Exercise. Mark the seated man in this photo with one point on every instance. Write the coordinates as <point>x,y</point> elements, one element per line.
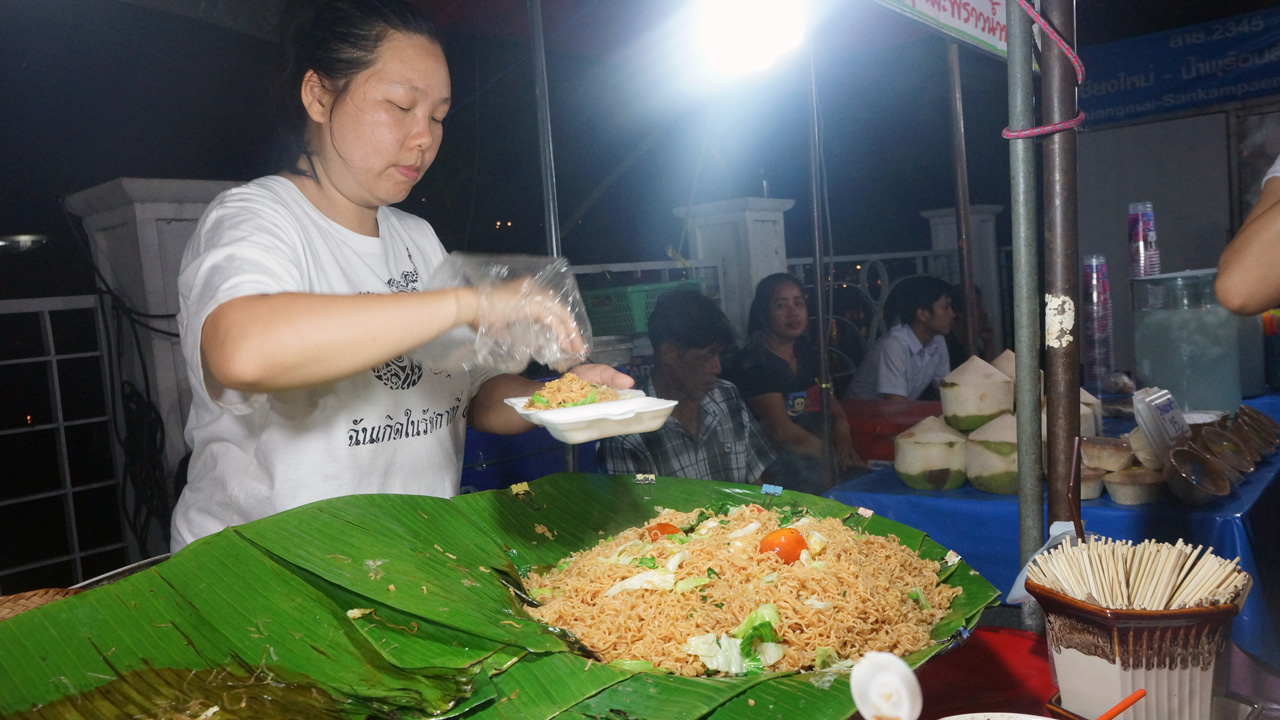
<point>710,435</point>
<point>913,357</point>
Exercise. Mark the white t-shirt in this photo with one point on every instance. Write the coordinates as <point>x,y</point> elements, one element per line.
<point>900,365</point>
<point>397,428</point>
<point>1273,171</point>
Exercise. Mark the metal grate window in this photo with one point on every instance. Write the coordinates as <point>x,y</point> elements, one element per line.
<point>60,514</point>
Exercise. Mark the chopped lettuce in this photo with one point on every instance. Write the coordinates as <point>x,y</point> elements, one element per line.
<point>690,583</point>
<point>723,654</point>
<point>759,625</point>
<point>766,654</point>
<point>673,564</point>
<point>918,595</point>
<point>648,562</point>
<point>660,579</point>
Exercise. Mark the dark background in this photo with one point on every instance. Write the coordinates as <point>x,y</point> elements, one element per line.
<point>94,90</point>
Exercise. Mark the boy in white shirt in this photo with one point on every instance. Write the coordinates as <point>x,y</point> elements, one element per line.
<point>913,356</point>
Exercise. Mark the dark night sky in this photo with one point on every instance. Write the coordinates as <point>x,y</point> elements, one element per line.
<point>99,89</point>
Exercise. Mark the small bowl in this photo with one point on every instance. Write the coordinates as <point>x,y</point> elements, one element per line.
<point>1260,418</point>
<point>1198,420</point>
<point>1110,454</point>
<point>1135,486</point>
<point>1227,448</point>
<point>1196,478</point>
<point>1248,448</point>
<point>1091,483</point>
<point>1263,441</point>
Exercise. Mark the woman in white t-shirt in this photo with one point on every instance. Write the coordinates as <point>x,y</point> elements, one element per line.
<point>1249,270</point>
<point>302,295</point>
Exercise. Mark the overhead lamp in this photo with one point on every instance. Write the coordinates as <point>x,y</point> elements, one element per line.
<point>19,243</point>
<point>742,36</point>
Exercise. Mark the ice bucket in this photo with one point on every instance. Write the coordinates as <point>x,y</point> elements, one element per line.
<point>1185,342</point>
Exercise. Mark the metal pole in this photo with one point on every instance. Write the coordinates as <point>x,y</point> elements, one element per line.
<point>819,271</point>
<point>1062,262</point>
<point>550,209</point>
<point>963,223</point>
<point>1026,297</point>
<point>551,212</point>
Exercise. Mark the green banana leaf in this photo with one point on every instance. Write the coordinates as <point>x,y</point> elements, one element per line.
<point>401,606</point>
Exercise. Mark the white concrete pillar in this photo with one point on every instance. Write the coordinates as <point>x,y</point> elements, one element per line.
<point>747,236</point>
<point>986,265</point>
<point>138,230</point>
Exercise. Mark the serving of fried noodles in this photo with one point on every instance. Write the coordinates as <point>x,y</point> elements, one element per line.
<point>849,592</point>
<point>567,391</point>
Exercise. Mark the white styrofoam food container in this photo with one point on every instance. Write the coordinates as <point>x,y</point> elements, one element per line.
<point>632,412</point>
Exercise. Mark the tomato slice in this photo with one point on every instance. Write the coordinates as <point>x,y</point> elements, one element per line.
<point>753,508</point>
<point>786,543</point>
<point>657,531</point>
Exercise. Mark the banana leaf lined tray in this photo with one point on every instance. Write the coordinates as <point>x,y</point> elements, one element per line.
<point>398,606</point>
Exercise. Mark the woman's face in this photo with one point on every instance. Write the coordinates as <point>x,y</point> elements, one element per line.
<point>788,312</point>
<point>373,142</point>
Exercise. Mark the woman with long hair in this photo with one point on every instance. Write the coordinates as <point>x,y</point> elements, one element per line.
<point>777,373</point>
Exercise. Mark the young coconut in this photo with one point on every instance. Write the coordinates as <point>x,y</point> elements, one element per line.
<point>991,456</point>
<point>1087,425</point>
<point>1006,362</point>
<point>1087,398</point>
<point>974,394</point>
<point>930,456</point>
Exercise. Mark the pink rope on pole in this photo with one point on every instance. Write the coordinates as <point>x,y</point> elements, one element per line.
<point>1075,122</point>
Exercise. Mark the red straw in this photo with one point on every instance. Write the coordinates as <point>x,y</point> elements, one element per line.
<point>1125,704</point>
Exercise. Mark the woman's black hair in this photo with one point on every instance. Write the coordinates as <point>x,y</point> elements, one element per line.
<point>758,316</point>
<point>338,39</point>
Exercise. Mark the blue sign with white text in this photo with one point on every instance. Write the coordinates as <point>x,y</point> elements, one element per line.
<point>1213,63</point>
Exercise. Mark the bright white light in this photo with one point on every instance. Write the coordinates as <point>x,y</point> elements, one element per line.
<point>741,36</point>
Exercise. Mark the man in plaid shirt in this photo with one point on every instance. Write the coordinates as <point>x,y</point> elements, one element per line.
<point>711,434</point>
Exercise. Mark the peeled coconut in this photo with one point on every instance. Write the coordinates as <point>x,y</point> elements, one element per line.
<point>991,456</point>
<point>1143,451</point>
<point>1110,454</point>
<point>1087,398</point>
<point>1087,428</point>
<point>974,394</point>
<point>1006,362</point>
<point>930,456</point>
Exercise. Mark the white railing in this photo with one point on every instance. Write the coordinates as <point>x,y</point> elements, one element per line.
<point>60,514</point>
<point>860,284</point>
<point>710,272</point>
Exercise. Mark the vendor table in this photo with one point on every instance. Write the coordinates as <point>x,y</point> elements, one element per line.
<point>983,528</point>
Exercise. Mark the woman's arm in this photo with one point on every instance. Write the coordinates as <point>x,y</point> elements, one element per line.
<point>1249,270</point>
<point>778,425</point>
<point>267,343</point>
<point>846,455</point>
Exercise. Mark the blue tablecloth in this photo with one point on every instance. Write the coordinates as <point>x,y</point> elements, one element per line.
<point>983,528</point>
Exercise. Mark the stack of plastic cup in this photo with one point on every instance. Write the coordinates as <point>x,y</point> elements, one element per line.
<point>1097,351</point>
<point>1144,256</point>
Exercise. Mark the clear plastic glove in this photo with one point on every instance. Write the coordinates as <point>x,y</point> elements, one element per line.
<point>527,308</point>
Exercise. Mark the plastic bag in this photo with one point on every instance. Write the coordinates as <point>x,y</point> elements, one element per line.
<point>519,296</point>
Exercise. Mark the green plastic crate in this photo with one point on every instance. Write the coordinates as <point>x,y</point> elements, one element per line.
<point>625,310</point>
